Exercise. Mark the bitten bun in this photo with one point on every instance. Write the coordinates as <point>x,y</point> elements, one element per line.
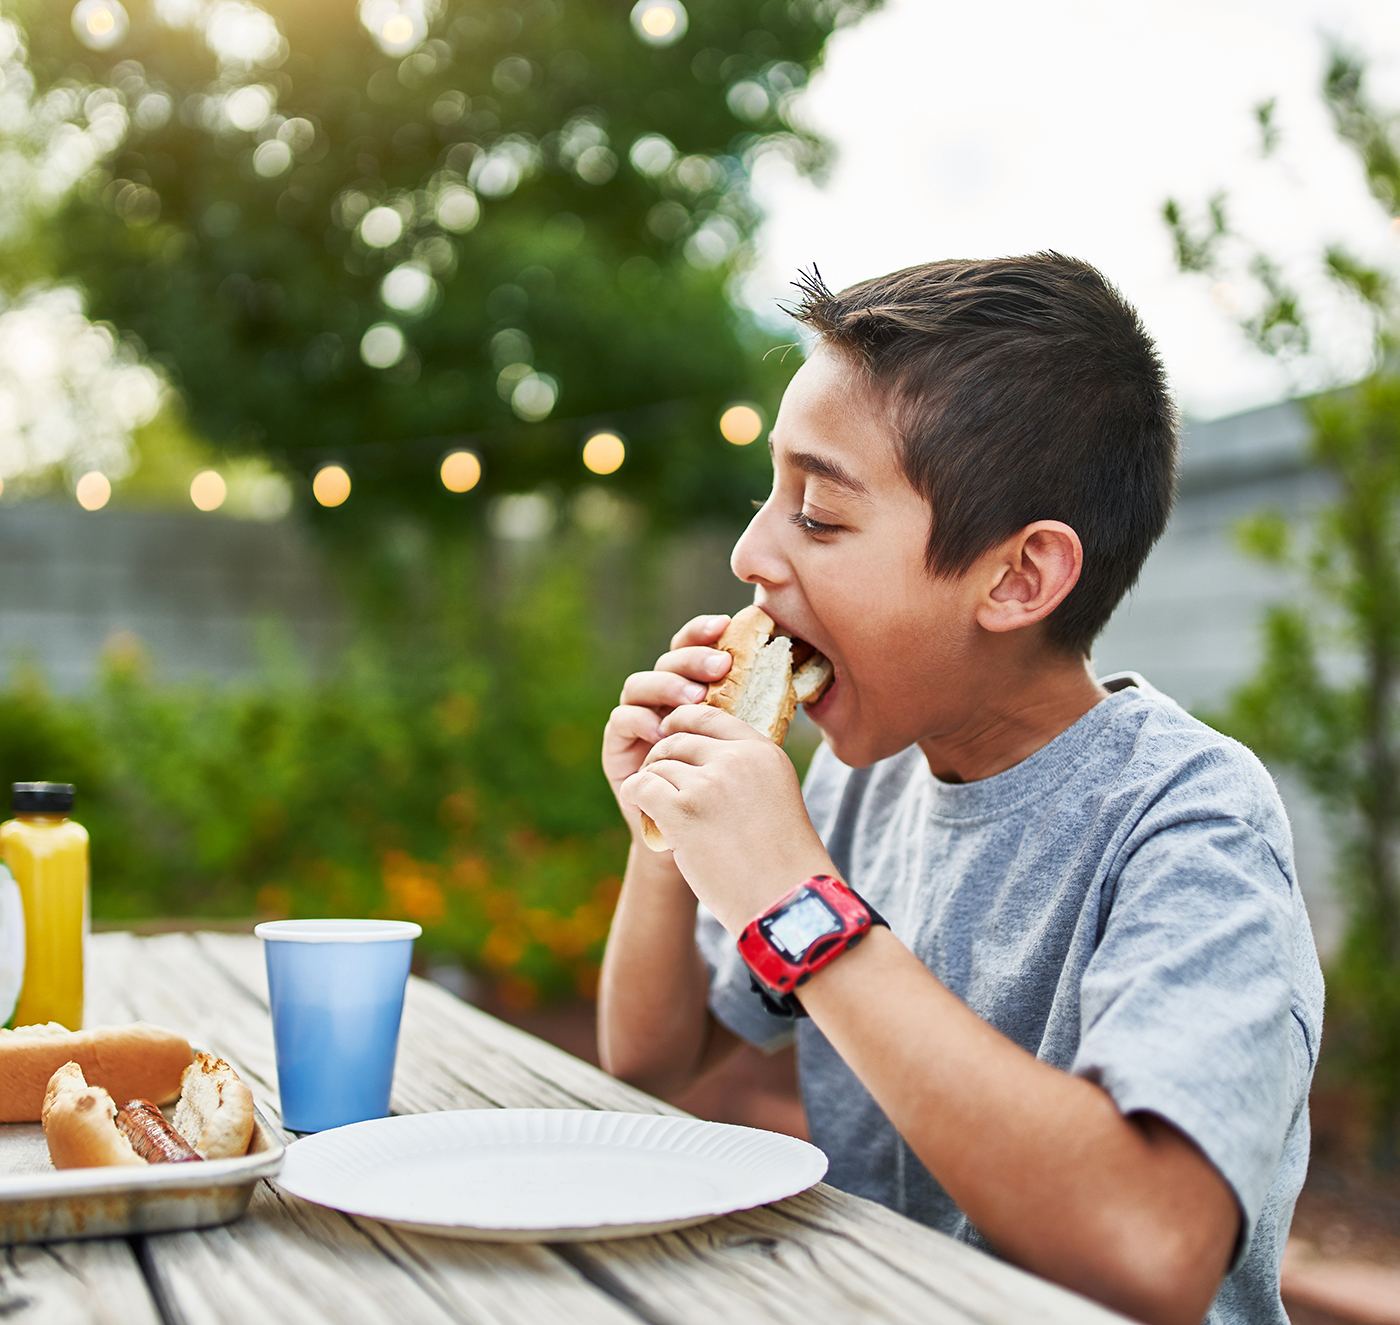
<point>80,1124</point>
<point>215,1113</point>
<point>125,1061</point>
<point>764,686</point>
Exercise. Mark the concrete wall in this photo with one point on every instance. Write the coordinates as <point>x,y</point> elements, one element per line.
<point>196,590</point>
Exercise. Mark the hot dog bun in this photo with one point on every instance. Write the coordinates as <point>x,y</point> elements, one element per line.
<point>125,1061</point>
<point>80,1124</point>
<point>763,687</point>
<point>215,1113</point>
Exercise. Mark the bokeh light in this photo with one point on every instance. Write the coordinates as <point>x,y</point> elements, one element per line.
<point>382,346</point>
<point>381,227</point>
<point>397,30</point>
<point>461,471</point>
<point>604,452</point>
<point>397,26</point>
<point>457,209</point>
<point>409,289</point>
<point>741,424</point>
<point>331,486</point>
<point>660,22</point>
<point>100,24</point>
<point>208,490</point>
<point>94,490</point>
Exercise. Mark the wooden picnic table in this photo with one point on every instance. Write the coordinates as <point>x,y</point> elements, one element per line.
<point>823,1256</point>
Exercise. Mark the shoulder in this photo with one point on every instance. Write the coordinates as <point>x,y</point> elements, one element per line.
<point>1176,769</point>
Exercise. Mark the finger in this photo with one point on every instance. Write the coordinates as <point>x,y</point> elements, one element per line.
<point>629,723</point>
<point>649,791</point>
<point>684,748</point>
<point>699,630</point>
<point>698,662</point>
<point>706,720</point>
<point>661,690</point>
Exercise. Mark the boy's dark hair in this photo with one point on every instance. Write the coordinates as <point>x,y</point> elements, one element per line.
<point>1024,389</point>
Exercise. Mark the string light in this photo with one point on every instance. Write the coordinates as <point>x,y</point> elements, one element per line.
<point>100,24</point>
<point>331,486</point>
<point>208,490</point>
<point>461,471</point>
<point>604,452</point>
<point>93,491</point>
<point>660,22</point>
<point>740,424</point>
<point>397,30</point>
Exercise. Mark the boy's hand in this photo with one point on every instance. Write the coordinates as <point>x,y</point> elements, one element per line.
<point>730,805</point>
<point>679,677</point>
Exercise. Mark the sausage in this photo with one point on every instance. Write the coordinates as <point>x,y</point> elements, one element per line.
<point>152,1137</point>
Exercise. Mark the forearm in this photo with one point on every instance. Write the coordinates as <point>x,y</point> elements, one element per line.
<point>654,1025</point>
<point>1041,1162</point>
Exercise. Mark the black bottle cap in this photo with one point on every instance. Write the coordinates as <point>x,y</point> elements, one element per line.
<point>42,797</point>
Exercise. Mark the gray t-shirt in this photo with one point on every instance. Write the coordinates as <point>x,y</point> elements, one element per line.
<point>1123,905</point>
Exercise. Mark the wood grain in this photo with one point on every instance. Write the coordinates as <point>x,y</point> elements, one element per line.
<point>74,1283</point>
<point>821,1256</point>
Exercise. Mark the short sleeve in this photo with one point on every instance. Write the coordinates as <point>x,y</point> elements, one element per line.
<point>732,998</point>
<point>1186,1005</point>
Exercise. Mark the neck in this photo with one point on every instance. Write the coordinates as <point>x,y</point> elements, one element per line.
<point>1014,717</point>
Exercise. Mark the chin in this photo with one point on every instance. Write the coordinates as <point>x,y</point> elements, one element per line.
<point>852,746</point>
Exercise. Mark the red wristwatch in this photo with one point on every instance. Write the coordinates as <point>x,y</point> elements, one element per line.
<point>799,934</point>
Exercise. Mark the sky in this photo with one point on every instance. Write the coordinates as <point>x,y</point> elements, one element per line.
<point>1010,126</point>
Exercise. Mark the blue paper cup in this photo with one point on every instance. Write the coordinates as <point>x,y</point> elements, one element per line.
<point>336,989</point>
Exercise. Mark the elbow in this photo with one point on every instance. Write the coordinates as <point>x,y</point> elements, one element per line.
<point>1166,1278</point>
<point>651,1078</point>
<point>634,1066</point>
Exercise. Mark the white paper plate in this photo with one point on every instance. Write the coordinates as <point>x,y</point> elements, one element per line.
<point>537,1175</point>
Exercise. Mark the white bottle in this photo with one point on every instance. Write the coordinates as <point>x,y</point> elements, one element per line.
<point>11,945</point>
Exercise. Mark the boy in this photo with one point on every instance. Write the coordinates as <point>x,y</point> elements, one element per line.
<point>1082,1025</point>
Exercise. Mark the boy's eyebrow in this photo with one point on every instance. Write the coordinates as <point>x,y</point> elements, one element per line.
<point>820,466</point>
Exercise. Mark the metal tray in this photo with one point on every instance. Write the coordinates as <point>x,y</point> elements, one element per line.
<point>39,1203</point>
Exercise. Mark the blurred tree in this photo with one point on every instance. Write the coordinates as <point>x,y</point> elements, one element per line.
<point>369,237</point>
<point>1338,725</point>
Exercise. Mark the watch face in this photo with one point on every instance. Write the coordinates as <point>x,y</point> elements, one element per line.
<point>799,925</point>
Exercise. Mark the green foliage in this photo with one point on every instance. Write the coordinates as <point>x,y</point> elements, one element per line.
<point>446,772</point>
<point>1326,698</point>
<point>1342,733</point>
<point>239,257</point>
<point>1197,245</point>
<point>1370,130</point>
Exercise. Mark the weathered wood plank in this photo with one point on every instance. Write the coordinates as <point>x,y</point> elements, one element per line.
<point>74,1283</point>
<point>826,1255</point>
<point>822,1255</point>
<point>289,1260</point>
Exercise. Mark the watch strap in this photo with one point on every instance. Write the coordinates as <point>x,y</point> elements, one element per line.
<point>788,1006</point>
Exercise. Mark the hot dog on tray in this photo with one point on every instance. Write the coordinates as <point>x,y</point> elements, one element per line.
<point>85,1129</point>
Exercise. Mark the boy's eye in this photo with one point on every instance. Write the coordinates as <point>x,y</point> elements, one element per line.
<point>810,526</point>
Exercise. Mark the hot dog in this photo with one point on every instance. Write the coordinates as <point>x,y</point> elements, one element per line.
<point>772,674</point>
<point>151,1137</point>
<point>84,1129</point>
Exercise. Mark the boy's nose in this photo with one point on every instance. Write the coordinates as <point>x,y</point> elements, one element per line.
<point>756,558</point>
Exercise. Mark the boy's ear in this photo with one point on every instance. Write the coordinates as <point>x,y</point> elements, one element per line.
<point>1029,575</point>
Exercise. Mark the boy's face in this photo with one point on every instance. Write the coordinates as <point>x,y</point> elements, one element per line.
<point>837,554</point>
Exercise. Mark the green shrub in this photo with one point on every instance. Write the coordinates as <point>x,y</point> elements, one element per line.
<point>444,770</point>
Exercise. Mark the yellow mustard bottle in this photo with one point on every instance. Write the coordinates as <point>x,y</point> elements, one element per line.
<point>48,855</point>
